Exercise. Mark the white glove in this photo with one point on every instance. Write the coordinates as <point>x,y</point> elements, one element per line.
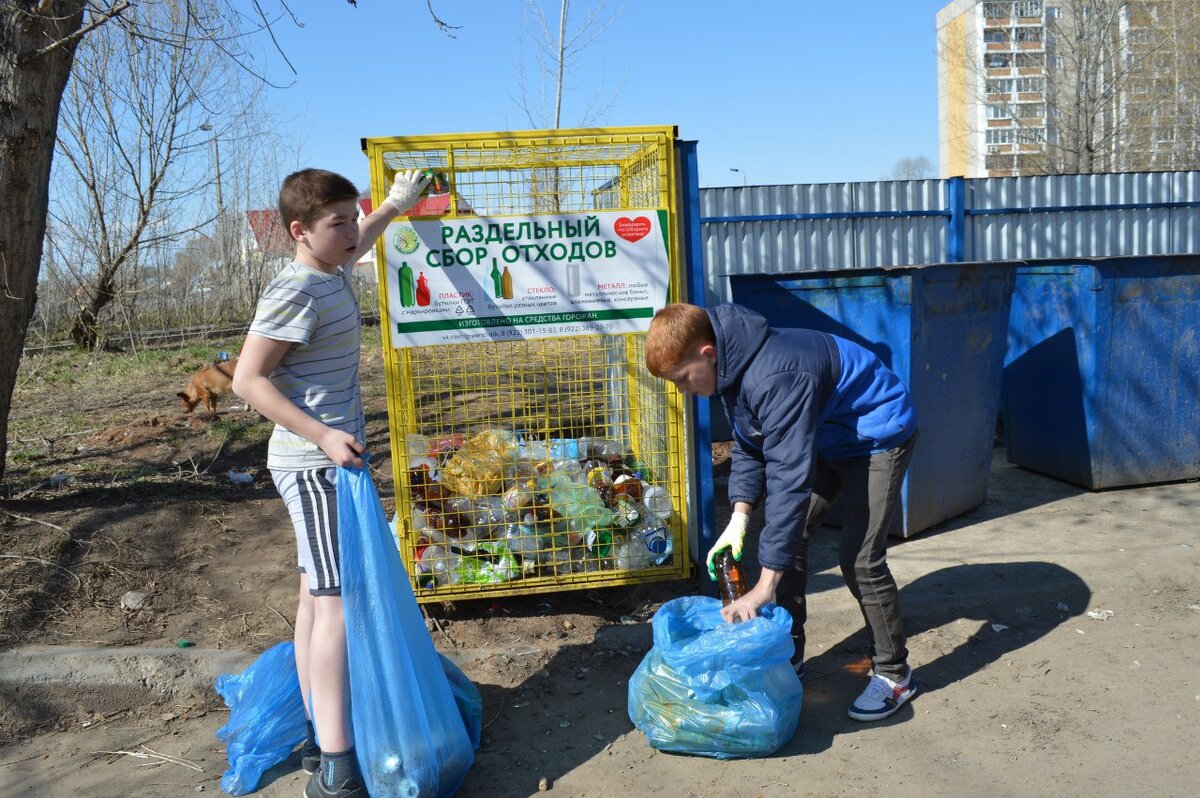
<point>407,188</point>
<point>732,539</point>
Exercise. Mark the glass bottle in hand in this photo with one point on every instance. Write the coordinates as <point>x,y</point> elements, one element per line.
<point>730,583</point>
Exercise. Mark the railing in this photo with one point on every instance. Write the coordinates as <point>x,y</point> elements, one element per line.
<point>161,337</point>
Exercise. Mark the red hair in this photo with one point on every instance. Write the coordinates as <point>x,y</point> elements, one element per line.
<point>676,332</point>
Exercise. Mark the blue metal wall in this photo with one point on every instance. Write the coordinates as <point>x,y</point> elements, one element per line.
<point>765,230</point>
<point>775,229</point>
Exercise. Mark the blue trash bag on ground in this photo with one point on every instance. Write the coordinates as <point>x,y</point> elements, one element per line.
<point>468,699</point>
<point>410,738</point>
<point>266,717</point>
<point>713,688</point>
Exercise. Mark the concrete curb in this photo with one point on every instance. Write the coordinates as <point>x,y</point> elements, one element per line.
<point>162,670</point>
<point>167,672</point>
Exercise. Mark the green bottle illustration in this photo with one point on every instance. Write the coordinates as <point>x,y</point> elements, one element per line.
<point>497,285</point>
<point>407,293</point>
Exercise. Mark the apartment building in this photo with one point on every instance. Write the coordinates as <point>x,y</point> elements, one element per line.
<point>1054,86</point>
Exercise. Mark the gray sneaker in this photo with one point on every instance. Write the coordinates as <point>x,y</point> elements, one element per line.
<point>321,786</point>
<point>310,758</point>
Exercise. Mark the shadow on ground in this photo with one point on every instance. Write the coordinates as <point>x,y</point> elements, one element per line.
<point>1032,598</point>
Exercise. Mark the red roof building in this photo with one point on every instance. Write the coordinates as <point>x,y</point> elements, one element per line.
<point>269,234</point>
<point>436,205</point>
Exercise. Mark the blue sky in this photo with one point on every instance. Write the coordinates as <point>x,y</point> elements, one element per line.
<point>793,91</point>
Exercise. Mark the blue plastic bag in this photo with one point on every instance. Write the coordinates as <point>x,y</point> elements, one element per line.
<point>466,696</point>
<point>267,720</point>
<point>410,738</point>
<point>713,688</point>
<point>266,717</point>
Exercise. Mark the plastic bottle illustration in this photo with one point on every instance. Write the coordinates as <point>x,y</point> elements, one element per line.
<point>407,298</point>
<point>506,284</point>
<point>573,282</point>
<point>730,583</point>
<point>497,284</point>
<point>422,290</point>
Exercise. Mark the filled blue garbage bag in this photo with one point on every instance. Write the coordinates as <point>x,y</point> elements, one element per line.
<point>266,717</point>
<point>408,732</point>
<point>267,720</point>
<point>713,688</point>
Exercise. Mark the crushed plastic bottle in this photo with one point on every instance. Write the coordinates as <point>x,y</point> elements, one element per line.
<point>627,555</point>
<point>628,485</point>
<point>523,540</point>
<point>577,503</point>
<point>648,545</point>
<point>657,501</point>
<point>626,512</point>
<point>440,562</point>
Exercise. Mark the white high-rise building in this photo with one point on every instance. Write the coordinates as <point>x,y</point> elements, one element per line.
<point>1054,86</point>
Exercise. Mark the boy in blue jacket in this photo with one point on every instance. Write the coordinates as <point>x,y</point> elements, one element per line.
<point>814,417</point>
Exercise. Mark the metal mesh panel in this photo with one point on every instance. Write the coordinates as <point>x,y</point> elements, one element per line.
<point>533,175</point>
<point>537,464</point>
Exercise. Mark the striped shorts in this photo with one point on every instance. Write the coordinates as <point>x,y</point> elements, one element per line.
<point>311,499</point>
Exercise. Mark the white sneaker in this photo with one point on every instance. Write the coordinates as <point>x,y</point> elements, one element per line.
<point>883,697</point>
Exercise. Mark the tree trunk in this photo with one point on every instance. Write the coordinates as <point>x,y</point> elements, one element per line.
<point>85,325</point>
<point>31,89</point>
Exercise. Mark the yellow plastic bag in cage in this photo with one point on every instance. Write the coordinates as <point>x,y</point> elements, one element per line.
<point>478,467</point>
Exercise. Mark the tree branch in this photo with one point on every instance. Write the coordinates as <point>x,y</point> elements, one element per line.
<point>111,14</point>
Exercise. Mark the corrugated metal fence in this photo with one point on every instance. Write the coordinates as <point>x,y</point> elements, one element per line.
<point>771,229</point>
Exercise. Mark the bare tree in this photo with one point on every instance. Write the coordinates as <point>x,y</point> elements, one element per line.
<point>1081,86</point>
<point>1087,75</point>
<point>557,48</point>
<point>1158,107</point>
<point>262,160</point>
<point>912,168</point>
<point>131,118</point>
<point>38,40</point>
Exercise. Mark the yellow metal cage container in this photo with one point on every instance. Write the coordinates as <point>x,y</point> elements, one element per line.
<point>532,451</point>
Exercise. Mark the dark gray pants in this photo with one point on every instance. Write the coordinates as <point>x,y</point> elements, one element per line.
<point>869,491</point>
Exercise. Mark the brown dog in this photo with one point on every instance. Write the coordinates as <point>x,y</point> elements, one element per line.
<point>208,385</point>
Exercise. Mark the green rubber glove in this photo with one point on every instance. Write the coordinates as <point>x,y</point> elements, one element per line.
<point>732,538</point>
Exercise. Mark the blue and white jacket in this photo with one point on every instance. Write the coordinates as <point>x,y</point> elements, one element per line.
<point>793,396</point>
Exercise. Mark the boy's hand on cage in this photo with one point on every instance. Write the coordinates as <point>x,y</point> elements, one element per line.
<point>407,188</point>
<point>732,538</point>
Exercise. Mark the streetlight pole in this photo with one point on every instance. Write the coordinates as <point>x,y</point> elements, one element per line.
<point>743,174</point>
<point>207,128</point>
<point>222,254</point>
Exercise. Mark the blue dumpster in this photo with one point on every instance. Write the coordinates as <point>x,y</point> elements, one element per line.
<point>941,329</point>
<point>1102,376</point>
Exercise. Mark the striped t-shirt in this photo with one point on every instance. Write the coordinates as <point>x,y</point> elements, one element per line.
<point>319,313</point>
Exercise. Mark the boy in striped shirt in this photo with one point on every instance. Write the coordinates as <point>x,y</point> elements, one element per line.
<point>299,368</point>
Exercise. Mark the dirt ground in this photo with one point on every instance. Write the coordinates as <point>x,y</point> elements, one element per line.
<point>1023,692</point>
